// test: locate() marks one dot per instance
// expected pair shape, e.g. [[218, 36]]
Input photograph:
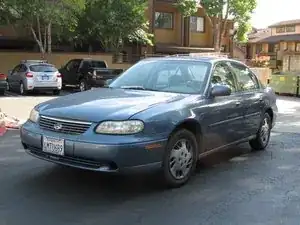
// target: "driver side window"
[[222, 75]]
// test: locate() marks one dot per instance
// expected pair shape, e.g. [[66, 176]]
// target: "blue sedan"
[[161, 114]]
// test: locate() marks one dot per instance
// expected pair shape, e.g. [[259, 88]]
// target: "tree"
[[220, 11], [40, 16], [112, 22]]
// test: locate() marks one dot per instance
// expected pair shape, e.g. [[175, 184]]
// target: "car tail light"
[[3, 76], [58, 75], [28, 74]]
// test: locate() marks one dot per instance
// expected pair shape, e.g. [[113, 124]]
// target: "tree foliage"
[[112, 22], [40, 16], [220, 11], [187, 7]]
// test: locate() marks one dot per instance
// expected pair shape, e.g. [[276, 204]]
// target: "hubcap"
[[181, 159], [265, 131], [82, 86]]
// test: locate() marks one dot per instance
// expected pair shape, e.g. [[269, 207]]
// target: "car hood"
[[105, 103]]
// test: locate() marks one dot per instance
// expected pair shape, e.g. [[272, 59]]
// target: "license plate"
[[45, 78], [54, 145]]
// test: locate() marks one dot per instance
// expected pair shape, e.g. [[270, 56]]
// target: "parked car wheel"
[[180, 158], [83, 85], [56, 92], [7, 87], [22, 91], [263, 135], [2, 92]]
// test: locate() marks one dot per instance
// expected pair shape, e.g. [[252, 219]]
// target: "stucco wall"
[[8, 60]]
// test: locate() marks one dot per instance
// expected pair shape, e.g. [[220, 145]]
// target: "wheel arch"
[[194, 127]]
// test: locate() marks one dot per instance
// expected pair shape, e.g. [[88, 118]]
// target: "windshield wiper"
[[134, 87]]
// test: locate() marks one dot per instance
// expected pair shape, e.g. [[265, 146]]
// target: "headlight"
[[34, 116], [120, 127]]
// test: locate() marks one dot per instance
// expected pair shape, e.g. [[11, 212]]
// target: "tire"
[[262, 138], [2, 91], [179, 157], [56, 92], [22, 91], [83, 85]]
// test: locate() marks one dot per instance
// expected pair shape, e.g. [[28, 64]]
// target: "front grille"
[[63, 126]]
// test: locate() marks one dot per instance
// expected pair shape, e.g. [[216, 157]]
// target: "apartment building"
[[175, 34], [276, 41]]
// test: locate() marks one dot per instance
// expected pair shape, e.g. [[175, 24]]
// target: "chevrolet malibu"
[[161, 114]]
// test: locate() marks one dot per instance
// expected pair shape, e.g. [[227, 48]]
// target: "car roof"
[[208, 59], [37, 63]]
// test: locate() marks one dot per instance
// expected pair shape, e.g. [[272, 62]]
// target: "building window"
[[258, 48], [291, 46], [163, 20], [298, 47], [290, 29], [280, 29], [271, 48], [197, 24]]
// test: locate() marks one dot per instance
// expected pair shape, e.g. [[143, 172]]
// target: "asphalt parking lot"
[[230, 188]]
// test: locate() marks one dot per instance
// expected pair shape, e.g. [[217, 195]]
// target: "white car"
[[32, 75]]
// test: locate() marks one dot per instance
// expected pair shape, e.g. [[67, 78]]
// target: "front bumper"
[[84, 154]]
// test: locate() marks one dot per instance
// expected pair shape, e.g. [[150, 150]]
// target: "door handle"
[[238, 103]]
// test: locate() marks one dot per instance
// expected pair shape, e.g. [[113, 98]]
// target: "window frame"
[[196, 31], [172, 20], [258, 84], [290, 26], [280, 30]]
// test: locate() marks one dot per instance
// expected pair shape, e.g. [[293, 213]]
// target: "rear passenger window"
[[247, 81], [23, 68], [222, 75]]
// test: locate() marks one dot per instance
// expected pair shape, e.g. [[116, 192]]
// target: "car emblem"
[[57, 126]]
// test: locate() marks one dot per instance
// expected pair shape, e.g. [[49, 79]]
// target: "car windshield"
[[42, 68], [179, 76]]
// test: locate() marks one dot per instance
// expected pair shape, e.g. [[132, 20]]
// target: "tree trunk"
[[45, 38], [217, 35], [39, 42], [49, 38]]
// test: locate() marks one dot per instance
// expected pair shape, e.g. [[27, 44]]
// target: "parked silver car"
[[31, 75]]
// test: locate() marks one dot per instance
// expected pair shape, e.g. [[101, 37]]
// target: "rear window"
[[98, 64], [42, 68]]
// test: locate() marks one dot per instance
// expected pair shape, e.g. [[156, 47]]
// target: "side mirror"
[[220, 90]]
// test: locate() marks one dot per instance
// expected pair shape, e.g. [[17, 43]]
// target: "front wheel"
[[262, 138], [180, 158]]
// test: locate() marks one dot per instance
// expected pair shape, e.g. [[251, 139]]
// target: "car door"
[[224, 113], [12, 78], [69, 72], [252, 93]]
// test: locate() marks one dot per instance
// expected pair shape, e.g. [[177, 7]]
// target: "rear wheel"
[[180, 158], [2, 91], [56, 92], [83, 85], [22, 90], [262, 138]]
